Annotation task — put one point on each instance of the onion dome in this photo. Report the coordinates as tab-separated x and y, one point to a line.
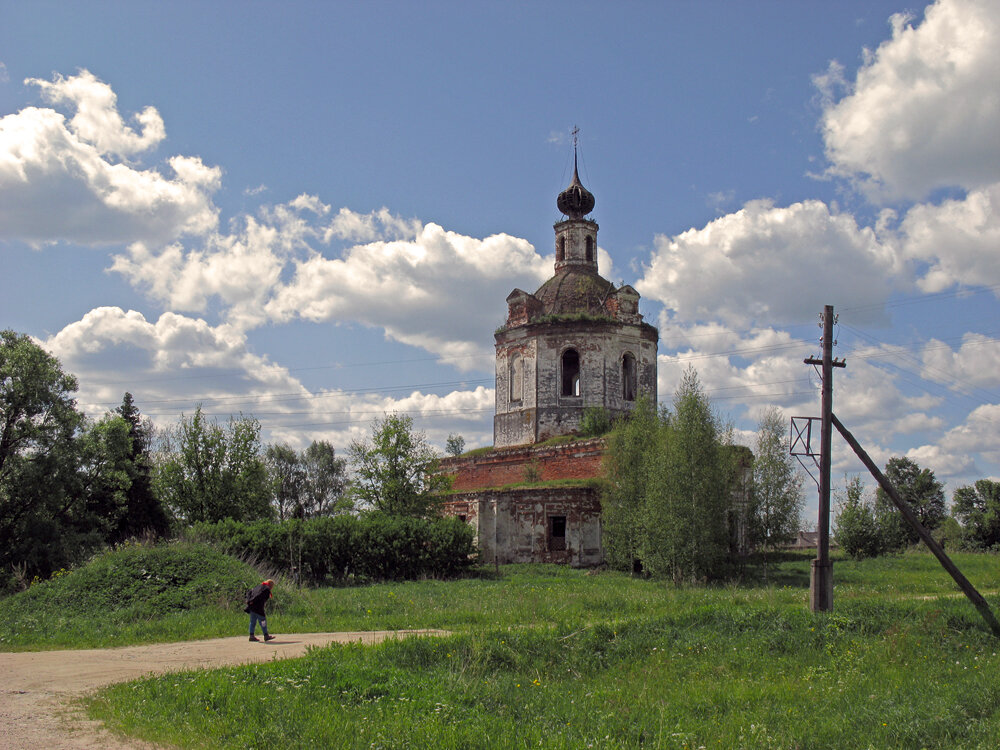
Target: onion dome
575	201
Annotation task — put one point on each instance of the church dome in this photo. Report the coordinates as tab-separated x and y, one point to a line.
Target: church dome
575	291
575	201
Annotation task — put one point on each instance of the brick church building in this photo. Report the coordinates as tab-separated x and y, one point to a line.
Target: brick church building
575	343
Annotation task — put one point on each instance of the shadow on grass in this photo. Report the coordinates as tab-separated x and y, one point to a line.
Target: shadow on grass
781	568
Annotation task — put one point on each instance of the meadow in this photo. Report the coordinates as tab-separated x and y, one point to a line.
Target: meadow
543	656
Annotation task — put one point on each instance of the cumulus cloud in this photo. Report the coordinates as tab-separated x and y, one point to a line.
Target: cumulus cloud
176	363
956	453
976	364
923	111
440	290
958	239
69	180
767	265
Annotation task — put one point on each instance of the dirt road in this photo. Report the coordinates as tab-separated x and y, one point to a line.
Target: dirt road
37	688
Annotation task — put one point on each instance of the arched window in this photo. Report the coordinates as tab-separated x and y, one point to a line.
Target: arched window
570	373
628	377
590	249
516	378
560	249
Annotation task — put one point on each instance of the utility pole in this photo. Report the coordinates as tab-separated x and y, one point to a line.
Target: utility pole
821	573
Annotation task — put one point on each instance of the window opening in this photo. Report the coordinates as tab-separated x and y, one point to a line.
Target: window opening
560	249
628	377
557	533
516	378
570	373
590	249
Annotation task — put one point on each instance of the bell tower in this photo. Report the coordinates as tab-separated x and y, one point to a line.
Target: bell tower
577	342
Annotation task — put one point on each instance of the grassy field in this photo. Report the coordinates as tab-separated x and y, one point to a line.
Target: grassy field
552	657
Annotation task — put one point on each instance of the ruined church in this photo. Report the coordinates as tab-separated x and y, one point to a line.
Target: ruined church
576	343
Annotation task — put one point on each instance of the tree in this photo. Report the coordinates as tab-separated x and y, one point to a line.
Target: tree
287	477
40	504
978	509
144	513
394	470
326	480
920	490
859	525
690	491
777	500
454	445
631	454
207	472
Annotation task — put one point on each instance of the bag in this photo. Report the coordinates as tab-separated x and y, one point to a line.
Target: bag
246	600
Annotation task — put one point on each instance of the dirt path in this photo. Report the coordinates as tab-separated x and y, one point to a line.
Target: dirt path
37	688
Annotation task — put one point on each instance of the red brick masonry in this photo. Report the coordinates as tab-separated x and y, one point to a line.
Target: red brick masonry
580	459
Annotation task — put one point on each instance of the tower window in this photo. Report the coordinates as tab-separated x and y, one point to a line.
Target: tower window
570	373
560	249
557	533
516	378
628	377
590	249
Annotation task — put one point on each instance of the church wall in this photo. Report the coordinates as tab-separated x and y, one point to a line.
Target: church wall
515	526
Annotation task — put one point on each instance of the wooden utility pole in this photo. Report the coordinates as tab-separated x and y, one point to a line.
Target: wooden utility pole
821	573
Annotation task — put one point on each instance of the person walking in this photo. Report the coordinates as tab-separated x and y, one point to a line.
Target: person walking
256	600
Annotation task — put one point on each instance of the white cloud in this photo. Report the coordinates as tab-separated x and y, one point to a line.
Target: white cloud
176	363
976	364
923	112
960	239
64	180
440	291
766	265
956	453
97	120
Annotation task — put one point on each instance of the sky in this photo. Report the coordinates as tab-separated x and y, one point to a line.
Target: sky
313	212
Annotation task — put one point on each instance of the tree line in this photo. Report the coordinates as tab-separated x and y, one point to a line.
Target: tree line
70	485
868	525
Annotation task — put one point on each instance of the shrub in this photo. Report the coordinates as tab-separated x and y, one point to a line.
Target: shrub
371	547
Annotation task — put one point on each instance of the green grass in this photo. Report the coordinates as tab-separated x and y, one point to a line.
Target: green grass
545	656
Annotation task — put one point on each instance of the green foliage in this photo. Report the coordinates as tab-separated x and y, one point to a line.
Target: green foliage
394	470
44	520
121	588
370	547
860	524
631	454
776	496
978	509
690	492
287	478
669	499
143	514
596	421
454	445
919	489
207	472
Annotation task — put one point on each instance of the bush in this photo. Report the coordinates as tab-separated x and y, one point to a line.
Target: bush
136	580
371	547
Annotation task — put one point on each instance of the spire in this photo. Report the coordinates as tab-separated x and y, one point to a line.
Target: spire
575	201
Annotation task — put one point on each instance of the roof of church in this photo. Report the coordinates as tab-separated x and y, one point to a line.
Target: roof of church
574	290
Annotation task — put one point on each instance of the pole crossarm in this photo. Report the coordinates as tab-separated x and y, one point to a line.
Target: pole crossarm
963	583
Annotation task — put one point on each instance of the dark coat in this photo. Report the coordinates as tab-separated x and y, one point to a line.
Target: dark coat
257	599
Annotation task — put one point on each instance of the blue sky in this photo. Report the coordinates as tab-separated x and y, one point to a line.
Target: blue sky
312	212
